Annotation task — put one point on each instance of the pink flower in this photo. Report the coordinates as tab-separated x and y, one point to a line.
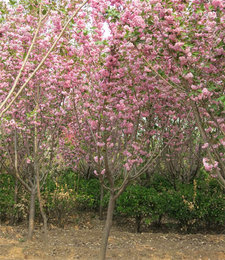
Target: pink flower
209	167
189	76
19	8
194	87
100	144
147	69
217	3
28	160
205	145
206	93
127	166
215	164
212	15
178	45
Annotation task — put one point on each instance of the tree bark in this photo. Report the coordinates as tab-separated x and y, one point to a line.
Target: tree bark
138	224
12	220
42	210
108	225
101	206
31	213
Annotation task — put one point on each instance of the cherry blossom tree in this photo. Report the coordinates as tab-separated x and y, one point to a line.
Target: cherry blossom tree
59	13
171	45
118	114
183	44
30	129
182	160
115	95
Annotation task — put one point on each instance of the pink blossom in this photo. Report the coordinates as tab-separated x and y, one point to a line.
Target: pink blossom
212	15
189	76
19	8
208	166
217	3
28	160
95	172
205	145
208	129
194	87
147	69
215	164
206	93
127	166
100	144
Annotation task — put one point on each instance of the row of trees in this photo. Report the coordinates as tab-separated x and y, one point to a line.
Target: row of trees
117	100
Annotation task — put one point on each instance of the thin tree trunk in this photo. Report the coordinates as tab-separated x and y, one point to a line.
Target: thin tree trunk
108	225
37	170
42	210
101	206
31	213
12	220
138	224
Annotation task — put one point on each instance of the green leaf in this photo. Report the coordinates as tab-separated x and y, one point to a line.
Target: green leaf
222	99
214	106
24	55
44	11
104	42
12	2
195	53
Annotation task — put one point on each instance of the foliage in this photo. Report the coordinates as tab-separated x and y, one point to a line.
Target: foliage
160	183
10	209
113	100
6	196
68	193
136	201
194	205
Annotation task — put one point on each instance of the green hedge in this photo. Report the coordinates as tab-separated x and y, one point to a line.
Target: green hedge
200	204
195	205
69	193
6	196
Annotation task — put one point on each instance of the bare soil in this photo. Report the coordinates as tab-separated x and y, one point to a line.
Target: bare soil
82	242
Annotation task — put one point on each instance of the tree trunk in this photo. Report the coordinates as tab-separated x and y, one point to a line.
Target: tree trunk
108	225
12	220
138	224
101	206
41	205
31	213
159	221
42	212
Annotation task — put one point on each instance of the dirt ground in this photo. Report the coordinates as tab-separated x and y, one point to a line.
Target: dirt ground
83	241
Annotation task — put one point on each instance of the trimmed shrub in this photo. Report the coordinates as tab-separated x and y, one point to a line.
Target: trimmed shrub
136	202
6	196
